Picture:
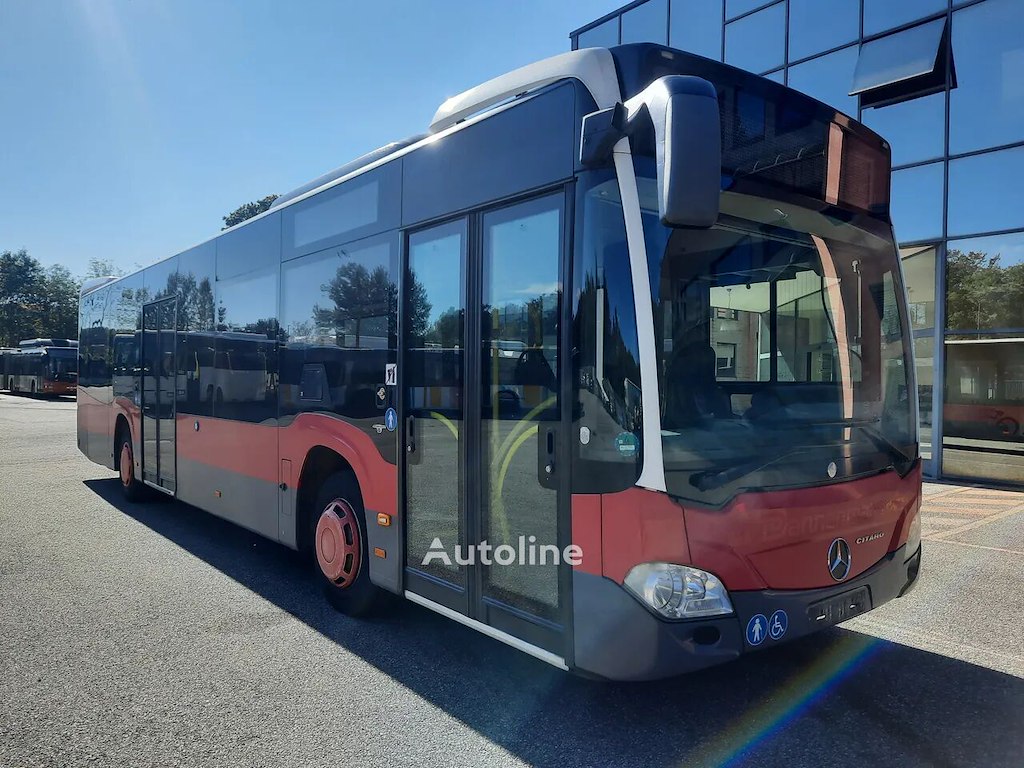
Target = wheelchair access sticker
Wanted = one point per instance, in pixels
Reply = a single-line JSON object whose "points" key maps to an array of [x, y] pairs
{"points": [[777, 625]]}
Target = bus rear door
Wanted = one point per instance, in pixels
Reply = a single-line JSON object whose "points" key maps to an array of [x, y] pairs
{"points": [[158, 393]]}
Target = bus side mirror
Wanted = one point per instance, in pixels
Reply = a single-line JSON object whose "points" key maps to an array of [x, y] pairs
{"points": [[688, 146]]}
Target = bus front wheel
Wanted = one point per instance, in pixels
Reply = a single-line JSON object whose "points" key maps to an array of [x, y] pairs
{"points": [[339, 546], [131, 487]]}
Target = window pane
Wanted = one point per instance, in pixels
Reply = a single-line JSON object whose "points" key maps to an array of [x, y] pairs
{"points": [[818, 25], [880, 15], [919, 276], [697, 27], [986, 192], [984, 408], [779, 76], [602, 36], [757, 42], [828, 79], [985, 283], [917, 202], [335, 211], [895, 58], [987, 106], [913, 128], [734, 8], [522, 248], [647, 23], [249, 247]]}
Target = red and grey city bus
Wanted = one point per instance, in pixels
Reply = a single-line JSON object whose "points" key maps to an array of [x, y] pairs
{"points": [[40, 367], [629, 320]]}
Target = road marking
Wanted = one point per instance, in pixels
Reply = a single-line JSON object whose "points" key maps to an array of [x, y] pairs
{"points": [[976, 524], [980, 546]]}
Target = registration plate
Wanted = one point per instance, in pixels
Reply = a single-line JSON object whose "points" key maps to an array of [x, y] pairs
{"points": [[839, 608]]}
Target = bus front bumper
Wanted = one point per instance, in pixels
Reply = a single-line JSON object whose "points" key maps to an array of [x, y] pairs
{"points": [[617, 638]]}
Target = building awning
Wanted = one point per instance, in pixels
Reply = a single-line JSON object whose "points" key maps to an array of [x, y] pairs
{"points": [[903, 65]]}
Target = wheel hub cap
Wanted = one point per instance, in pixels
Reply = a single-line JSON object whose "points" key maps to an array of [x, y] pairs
{"points": [[337, 543], [126, 464]]}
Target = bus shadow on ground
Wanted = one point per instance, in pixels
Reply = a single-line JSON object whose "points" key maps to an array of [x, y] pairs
{"points": [[833, 698]]}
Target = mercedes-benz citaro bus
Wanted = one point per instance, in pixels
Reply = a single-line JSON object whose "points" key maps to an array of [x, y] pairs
{"points": [[612, 365], [47, 367]]}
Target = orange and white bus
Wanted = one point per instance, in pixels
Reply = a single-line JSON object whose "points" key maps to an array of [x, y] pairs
{"points": [[40, 367], [612, 365]]}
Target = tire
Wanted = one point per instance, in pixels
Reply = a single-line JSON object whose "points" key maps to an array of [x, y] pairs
{"points": [[339, 506], [134, 490]]}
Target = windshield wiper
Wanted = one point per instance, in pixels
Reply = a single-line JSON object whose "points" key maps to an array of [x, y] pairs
{"points": [[713, 479]]}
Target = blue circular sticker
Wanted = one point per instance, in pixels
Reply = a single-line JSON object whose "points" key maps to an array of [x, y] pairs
{"points": [[778, 624], [627, 444], [757, 628]]}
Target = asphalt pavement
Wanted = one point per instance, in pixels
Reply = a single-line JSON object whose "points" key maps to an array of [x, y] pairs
{"points": [[157, 635]]}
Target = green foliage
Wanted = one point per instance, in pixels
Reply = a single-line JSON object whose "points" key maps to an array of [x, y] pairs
{"points": [[25, 307], [248, 210], [981, 293]]}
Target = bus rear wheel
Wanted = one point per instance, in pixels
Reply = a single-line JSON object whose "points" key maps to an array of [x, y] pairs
{"points": [[340, 549], [131, 487]]}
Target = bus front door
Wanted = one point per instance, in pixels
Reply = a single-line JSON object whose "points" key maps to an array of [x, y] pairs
{"points": [[486, 480], [159, 320]]}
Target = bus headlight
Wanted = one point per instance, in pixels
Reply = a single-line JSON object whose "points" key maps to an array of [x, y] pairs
{"points": [[679, 591], [913, 536]]}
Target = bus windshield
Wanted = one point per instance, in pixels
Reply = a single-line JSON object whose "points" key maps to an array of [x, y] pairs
{"points": [[63, 364], [782, 349]]}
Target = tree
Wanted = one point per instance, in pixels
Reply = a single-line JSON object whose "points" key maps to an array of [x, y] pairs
{"points": [[58, 304], [21, 296], [248, 210]]}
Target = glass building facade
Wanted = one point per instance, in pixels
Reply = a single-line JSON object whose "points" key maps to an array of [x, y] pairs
{"points": [[943, 82]]}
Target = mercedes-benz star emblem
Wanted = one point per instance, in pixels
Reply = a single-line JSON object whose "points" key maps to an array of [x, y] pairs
{"points": [[839, 561]]}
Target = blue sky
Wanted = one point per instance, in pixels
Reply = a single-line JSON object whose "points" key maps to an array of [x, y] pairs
{"points": [[128, 128]]}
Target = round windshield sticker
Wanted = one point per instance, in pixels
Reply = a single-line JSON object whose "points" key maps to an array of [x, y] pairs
{"points": [[627, 444]]}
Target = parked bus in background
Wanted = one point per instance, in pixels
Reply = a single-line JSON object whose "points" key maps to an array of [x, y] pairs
{"points": [[627, 302], [40, 367]]}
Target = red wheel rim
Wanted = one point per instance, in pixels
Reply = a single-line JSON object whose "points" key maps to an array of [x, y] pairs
{"points": [[337, 543], [126, 464]]}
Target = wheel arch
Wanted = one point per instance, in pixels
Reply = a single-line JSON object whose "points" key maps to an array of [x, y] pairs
{"points": [[120, 427], [319, 464]]}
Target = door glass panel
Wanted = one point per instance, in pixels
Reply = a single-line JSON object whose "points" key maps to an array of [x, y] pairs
{"points": [[435, 332], [520, 401], [159, 381]]}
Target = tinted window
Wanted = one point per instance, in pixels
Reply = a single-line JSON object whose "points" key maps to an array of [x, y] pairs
{"points": [[816, 26], [828, 79], [256, 245], [123, 316], [987, 106], [241, 377], [880, 15], [985, 192], [602, 36], [647, 23], [757, 42], [697, 27], [196, 317], [159, 280], [363, 206], [917, 203], [338, 322], [736, 7], [914, 129]]}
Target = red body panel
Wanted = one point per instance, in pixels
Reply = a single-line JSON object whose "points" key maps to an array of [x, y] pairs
{"points": [[780, 539], [766, 540], [241, 447], [640, 526]]}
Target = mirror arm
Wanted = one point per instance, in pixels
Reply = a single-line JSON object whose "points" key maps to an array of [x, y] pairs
{"points": [[601, 131]]}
